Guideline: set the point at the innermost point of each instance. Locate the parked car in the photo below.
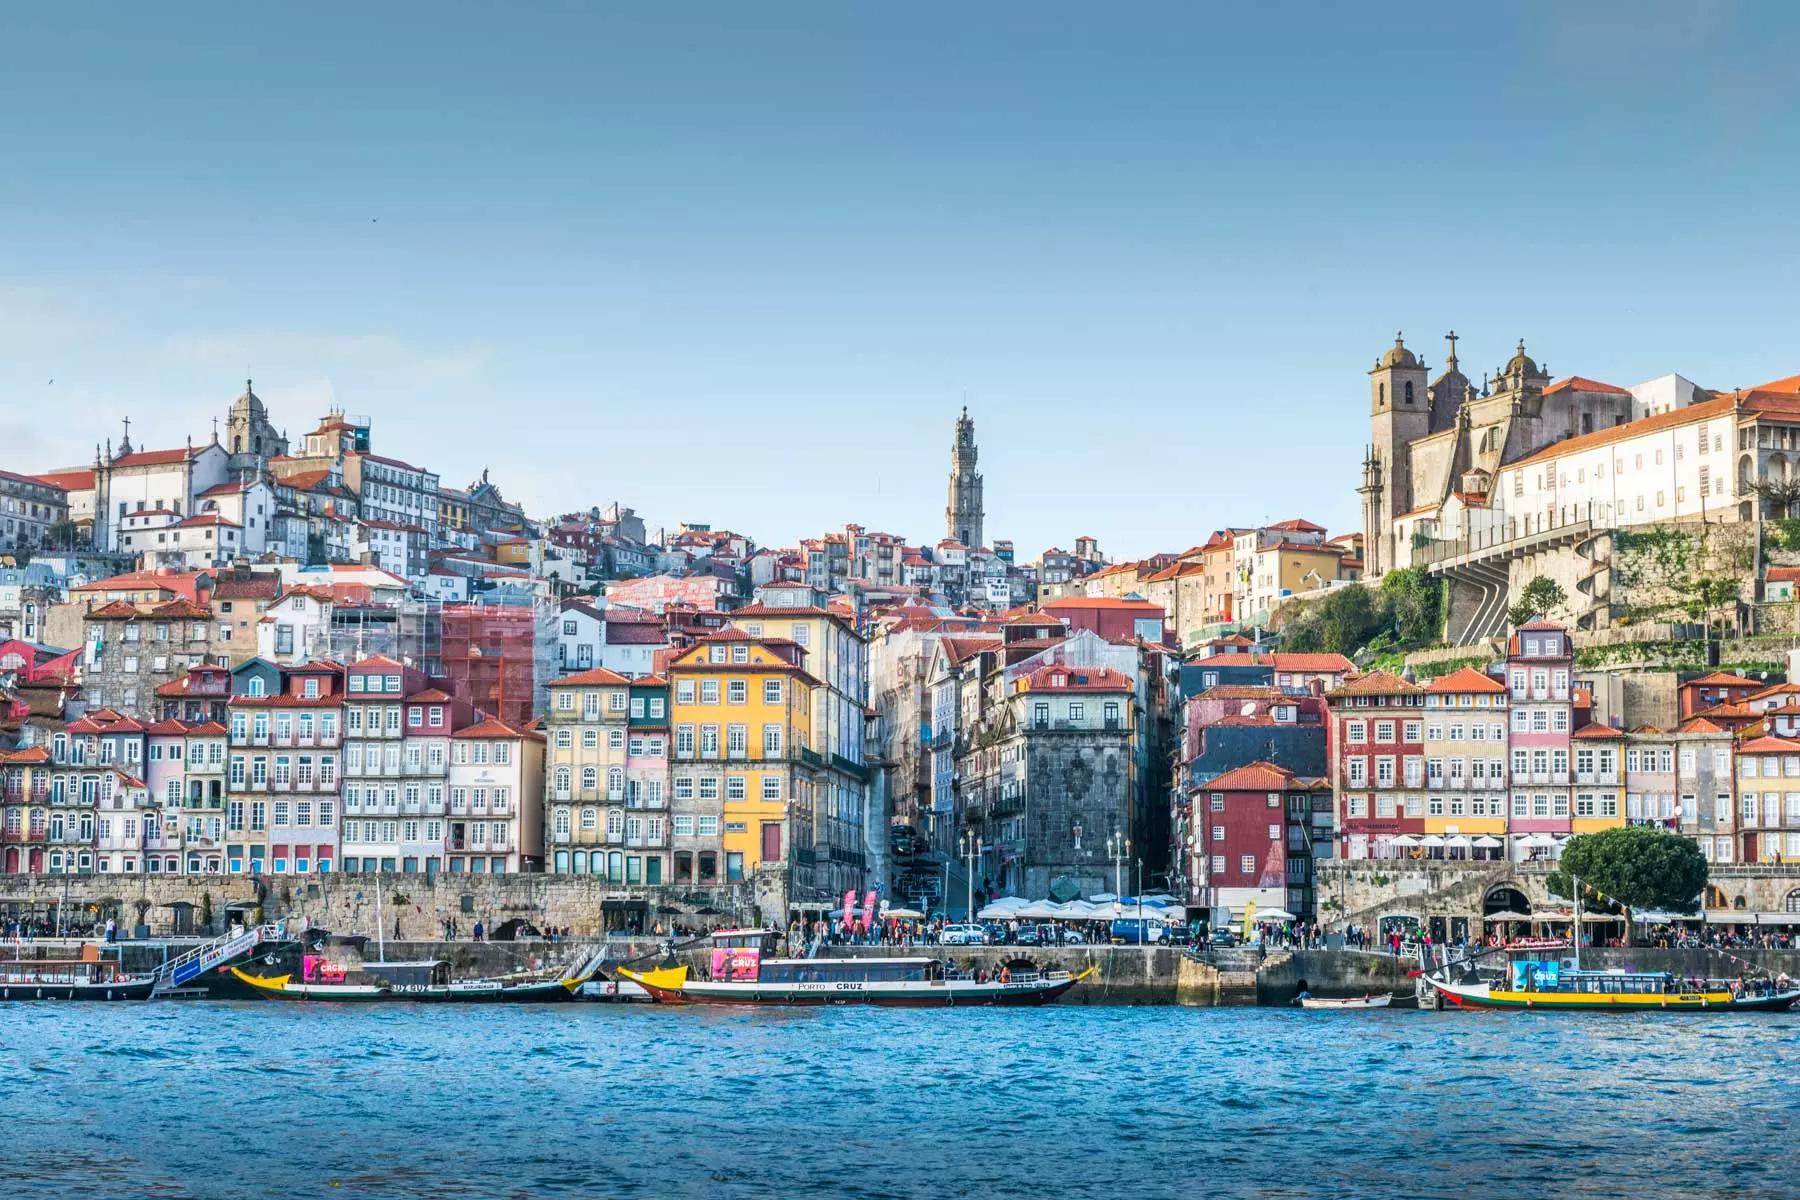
(1028, 935)
(1222, 937)
(1059, 935)
(962, 935)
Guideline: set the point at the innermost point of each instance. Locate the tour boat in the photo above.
(425, 981)
(1549, 986)
(892, 982)
(1381, 1001)
(1547, 990)
(71, 979)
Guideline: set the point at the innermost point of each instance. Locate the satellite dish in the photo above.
(1247, 709)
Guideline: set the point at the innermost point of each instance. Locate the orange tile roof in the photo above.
(1293, 661)
(1769, 745)
(1058, 677)
(599, 675)
(152, 458)
(1581, 384)
(1597, 730)
(490, 728)
(1466, 679)
(1252, 777)
(1379, 683)
(1703, 411)
(1723, 678)
(1298, 525)
(1097, 602)
(68, 481)
(1699, 725)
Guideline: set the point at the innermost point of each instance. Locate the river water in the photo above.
(260, 1100)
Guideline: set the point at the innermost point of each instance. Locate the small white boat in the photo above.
(1381, 1001)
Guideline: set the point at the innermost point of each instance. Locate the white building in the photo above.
(496, 820)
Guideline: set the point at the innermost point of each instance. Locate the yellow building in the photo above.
(1465, 743)
(584, 768)
(836, 656)
(743, 766)
(1599, 754)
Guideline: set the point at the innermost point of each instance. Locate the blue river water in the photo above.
(250, 1100)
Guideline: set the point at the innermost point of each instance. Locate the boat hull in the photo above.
(1461, 996)
(282, 987)
(1358, 1002)
(133, 989)
(667, 987)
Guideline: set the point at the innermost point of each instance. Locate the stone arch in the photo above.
(1505, 897)
(1792, 903)
(1739, 903)
(1746, 473)
(1714, 898)
(1409, 392)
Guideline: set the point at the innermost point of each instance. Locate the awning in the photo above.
(1461, 840)
(1484, 842)
(1404, 839)
(1509, 916)
(1739, 916)
(1430, 840)
(1539, 841)
(1272, 916)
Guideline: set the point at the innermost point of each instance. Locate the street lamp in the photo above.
(972, 849)
(1119, 849)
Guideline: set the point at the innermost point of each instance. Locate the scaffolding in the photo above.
(500, 657)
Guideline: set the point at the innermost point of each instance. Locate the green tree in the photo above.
(1412, 600)
(1539, 598)
(1347, 618)
(1636, 867)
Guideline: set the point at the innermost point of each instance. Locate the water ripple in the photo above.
(579, 1101)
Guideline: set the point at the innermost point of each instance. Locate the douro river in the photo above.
(249, 1101)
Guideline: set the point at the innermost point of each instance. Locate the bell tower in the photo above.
(962, 517)
(1399, 413)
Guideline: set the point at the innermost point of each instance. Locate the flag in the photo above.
(869, 914)
(849, 906)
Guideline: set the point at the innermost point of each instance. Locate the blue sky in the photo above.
(744, 263)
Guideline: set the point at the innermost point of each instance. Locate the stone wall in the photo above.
(413, 907)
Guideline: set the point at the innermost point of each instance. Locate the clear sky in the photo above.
(743, 263)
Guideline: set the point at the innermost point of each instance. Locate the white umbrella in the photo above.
(1404, 839)
(1273, 916)
(1103, 898)
(1431, 840)
(913, 914)
(1488, 843)
(1459, 840)
(1041, 911)
(1508, 916)
(1539, 841)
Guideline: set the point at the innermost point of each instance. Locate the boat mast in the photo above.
(1577, 881)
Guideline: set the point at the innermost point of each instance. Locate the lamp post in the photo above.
(972, 849)
(1119, 849)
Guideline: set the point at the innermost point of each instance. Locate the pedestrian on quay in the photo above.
(478, 931)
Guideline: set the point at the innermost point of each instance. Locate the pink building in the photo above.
(1539, 663)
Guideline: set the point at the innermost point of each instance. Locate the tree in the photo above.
(1635, 866)
(1412, 601)
(1539, 598)
(1347, 618)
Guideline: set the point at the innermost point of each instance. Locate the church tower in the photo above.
(249, 437)
(962, 519)
(1400, 413)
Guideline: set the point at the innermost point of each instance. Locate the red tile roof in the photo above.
(1703, 411)
(1324, 663)
(1058, 677)
(1699, 725)
(1252, 777)
(1467, 679)
(1103, 602)
(1299, 526)
(599, 675)
(1769, 745)
(152, 458)
(1598, 731)
(68, 481)
(1723, 679)
(1581, 384)
(1782, 574)
(1378, 683)
(490, 728)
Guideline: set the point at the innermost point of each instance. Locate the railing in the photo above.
(203, 958)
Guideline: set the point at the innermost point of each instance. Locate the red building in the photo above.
(1378, 739)
(1255, 826)
(1710, 691)
(1113, 618)
(489, 658)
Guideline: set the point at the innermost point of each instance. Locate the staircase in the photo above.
(1237, 967)
(191, 965)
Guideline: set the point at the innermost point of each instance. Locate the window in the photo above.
(1384, 732)
(709, 689)
(1247, 864)
(1355, 732)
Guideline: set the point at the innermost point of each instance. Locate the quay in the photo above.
(1124, 975)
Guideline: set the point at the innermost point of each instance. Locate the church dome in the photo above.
(1399, 356)
(1521, 362)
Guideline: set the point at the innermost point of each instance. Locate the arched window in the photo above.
(590, 778)
(615, 782)
(615, 823)
(1792, 903)
(1714, 897)
(562, 781)
(256, 443)
(590, 818)
(1409, 393)
(1380, 394)
(237, 445)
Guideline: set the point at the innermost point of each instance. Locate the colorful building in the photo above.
(1465, 763)
(586, 757)
(1379, 775)
(495, 823)
(1539, 666)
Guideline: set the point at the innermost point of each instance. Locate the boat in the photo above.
(1546, 987)
(889, 982)
(1556, 986)
(89, 977)
(423, 981)
(1381, 1001)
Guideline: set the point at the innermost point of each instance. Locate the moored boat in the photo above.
(87, 978)
(425, 981)
(1321, 1002)
(888, 982)
(1614, 991)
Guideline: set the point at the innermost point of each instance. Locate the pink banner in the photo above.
(871, 914)
(849, 906)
